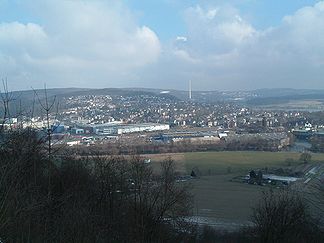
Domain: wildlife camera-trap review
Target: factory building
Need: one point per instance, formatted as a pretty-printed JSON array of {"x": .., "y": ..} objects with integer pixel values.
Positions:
[
  {"x": 76, "y": 131},
  {"x": 190, "y": 136},
  {"x": 110, "y": 129},
  {"x": 146, "y": 127}
]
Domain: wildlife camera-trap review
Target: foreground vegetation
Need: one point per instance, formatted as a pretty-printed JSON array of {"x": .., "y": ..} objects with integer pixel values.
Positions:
[{"x": 44, "y": 198}]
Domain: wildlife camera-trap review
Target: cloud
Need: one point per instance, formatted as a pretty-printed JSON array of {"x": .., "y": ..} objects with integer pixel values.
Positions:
[
  {"x": 181, "y": 38},
  {"x": 78, "y": 43},
  {"x": 96, "y": 44},
  {"x": 217, "y": 28},
  {"x": 224, "y": 51}
]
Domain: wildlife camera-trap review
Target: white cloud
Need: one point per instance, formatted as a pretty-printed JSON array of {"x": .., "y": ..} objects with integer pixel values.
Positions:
[
  {"x": 211, "y": 13},
  {"x": 79, "y": 43},
  {"x": 96, "y": 44},
  {"x": 216, "y": 30},
  {"x": 181, "y": 38},
  {"x": 185, "y": 56},
  {"x": 17, "y": 38},
  {"x": 224, "y": 51}
]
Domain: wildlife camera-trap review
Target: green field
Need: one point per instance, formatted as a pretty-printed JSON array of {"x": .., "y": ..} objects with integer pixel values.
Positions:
[
  {"x": 217, "y": 163},
  {"x": 215, "y": 195}
]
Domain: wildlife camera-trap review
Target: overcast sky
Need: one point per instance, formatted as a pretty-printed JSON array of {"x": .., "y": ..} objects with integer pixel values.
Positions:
[{"x": 219, "y": 45}]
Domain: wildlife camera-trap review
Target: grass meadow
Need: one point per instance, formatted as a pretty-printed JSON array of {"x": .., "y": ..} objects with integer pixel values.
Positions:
[{"x": 215, "y": 195}]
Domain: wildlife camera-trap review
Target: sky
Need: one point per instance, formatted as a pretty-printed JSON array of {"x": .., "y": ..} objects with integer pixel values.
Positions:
[{"x": 218, "y": 45}]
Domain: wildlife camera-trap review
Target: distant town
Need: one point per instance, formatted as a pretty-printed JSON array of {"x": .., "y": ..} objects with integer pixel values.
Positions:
[{"x": 146, "y": 119}]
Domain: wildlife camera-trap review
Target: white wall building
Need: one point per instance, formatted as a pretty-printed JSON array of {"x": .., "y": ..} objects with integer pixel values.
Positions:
[{"x": 108, "y": 129}]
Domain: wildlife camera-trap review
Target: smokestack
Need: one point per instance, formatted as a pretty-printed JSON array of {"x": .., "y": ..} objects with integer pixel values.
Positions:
[{"x": 190, "y": 89}]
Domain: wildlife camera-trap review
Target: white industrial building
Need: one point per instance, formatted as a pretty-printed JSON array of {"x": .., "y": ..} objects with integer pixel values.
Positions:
[{"x": 109, "y": 129}]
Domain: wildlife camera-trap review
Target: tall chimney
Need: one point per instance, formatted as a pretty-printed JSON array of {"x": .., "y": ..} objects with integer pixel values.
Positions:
[{"x": 190, "y": 89}]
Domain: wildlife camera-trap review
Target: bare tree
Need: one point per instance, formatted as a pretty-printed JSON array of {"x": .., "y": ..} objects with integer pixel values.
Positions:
[
  {"x": 305, "y": 157},
  {"x": 6, "y": 99},
  {"x": 93, "y": 199},
  {"x": 21, "y": 162},
  {"x": 283, "y": 216},
  {"x": 48, "y": 107},
  {"x": 158, "y": 198}
]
